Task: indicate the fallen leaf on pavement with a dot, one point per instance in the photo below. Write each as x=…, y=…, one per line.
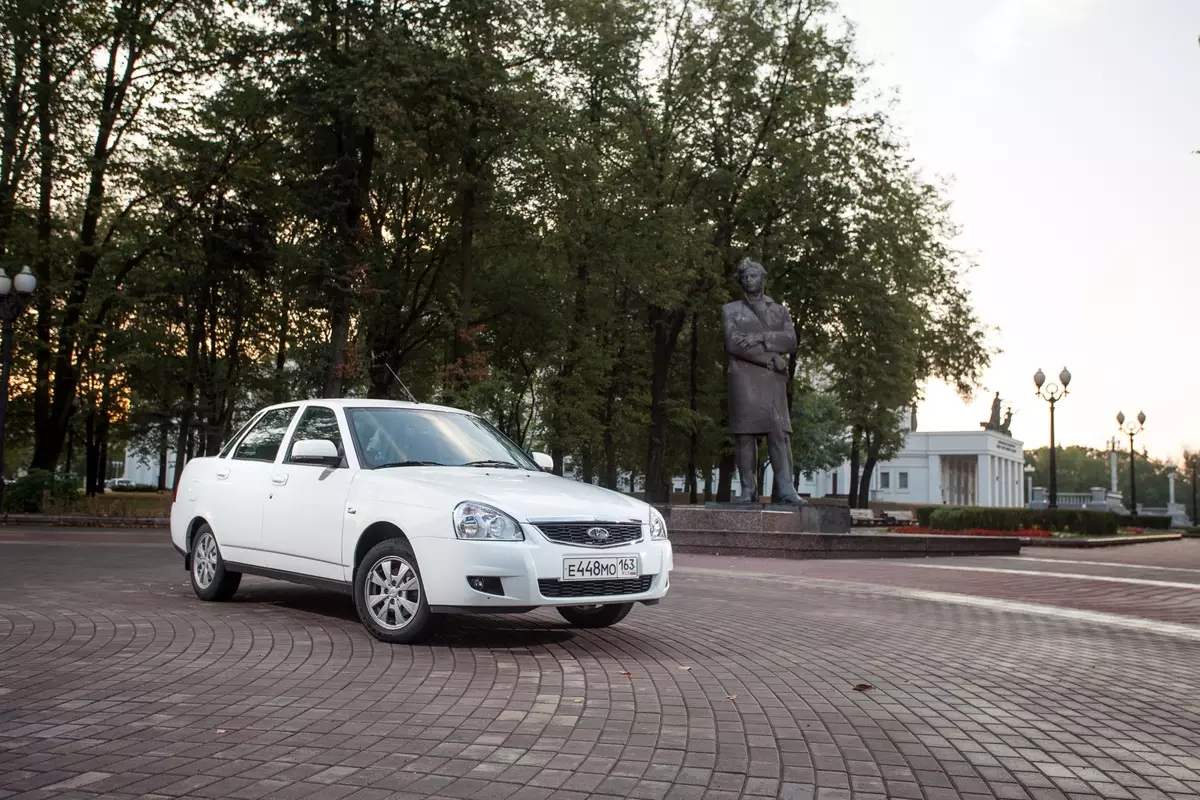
x=731, y=697
x=863, y=687
x=626, y=672
x=689, y=669
x=220, y=730
x=578, y=699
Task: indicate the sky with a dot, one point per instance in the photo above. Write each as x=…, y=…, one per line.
x=1066, y=131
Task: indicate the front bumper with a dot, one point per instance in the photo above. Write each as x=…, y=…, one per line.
x=531, y=573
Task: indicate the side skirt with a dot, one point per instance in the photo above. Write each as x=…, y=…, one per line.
x=291, y=577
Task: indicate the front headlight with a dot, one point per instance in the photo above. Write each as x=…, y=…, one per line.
x=658, y=526
x=480, y=522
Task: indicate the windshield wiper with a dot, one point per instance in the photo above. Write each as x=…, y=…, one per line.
x=504, y=464
x=409, y=464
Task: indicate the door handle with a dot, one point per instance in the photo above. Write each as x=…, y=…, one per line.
x=223, y=473
x=279, y=480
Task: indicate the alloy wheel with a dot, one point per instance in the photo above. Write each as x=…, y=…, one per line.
x=393, y=593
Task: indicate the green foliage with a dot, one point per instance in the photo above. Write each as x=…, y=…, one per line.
x=134, y=487
x=1151, y=522
x=530, y=209
x=28, y=494
x=1091, y=523
x=820, y=440
x=1081, y=468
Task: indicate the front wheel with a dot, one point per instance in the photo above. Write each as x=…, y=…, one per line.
x=210, y=579
x=390, y=596
x=595, y=616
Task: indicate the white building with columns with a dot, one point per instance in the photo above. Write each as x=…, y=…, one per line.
x=957, y=468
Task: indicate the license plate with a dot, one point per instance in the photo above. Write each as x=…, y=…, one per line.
x=591, y=569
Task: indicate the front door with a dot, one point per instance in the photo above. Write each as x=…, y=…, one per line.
x=306, y=505
x=242, y=483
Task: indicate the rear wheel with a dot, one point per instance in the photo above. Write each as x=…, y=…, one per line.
x=210, y=579
x=595, y=616
x=390, y=596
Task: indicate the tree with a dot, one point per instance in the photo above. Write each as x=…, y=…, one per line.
x=820, y=440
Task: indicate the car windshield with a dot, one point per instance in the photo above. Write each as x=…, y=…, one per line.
x=387, y=437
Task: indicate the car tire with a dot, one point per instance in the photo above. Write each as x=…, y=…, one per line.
x=595, y=616
x=389, y=595
x=210, y=579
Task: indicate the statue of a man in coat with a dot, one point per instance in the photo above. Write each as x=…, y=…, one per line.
x=759, y=337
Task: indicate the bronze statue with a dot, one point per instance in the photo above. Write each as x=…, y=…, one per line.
x=759, y=336
x=993, y=423
x=1005, y=426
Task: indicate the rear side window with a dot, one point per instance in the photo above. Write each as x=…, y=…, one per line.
x=228, y=448
x=263, y=441
x=318, y=422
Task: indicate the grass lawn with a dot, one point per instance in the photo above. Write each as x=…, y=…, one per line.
x=116, y=504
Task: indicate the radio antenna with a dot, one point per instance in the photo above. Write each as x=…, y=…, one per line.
x=402, y=386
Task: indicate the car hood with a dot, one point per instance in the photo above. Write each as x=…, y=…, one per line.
x=525, y=495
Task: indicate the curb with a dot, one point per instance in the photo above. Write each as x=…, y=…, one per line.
x=70, y=521
x=1104, y=541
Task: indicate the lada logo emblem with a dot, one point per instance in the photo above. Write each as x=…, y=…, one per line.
x=598, y=534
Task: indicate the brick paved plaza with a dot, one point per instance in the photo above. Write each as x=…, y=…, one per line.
x=1057, y=675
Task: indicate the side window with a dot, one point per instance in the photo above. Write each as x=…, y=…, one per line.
x=263, y=441
x=228, y=446
x=318, y=422
x=903, y=480
x=885, y=480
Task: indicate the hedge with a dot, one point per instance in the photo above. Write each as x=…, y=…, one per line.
x=26, y=494
x=1092, y=523
x=925, y=515
x=1154, y=523
x=134, y=487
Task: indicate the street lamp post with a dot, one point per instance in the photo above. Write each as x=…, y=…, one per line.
x=1131, y=429
x=14, y=295
x=1052, y=393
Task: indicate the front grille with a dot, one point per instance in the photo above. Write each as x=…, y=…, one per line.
x=557, y=588
x=576, y=533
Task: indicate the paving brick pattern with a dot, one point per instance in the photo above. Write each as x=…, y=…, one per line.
x=115, y=681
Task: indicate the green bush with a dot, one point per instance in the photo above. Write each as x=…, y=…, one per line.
x=135, y=487
x=925, y=515
x=26, y=494
x=1154, y=523
x=1091, y=523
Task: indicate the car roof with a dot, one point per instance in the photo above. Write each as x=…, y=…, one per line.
x=362, y=402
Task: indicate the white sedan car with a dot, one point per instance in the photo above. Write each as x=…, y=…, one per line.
x=416, y=510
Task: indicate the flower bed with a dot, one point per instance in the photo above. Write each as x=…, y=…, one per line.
x=917, y=529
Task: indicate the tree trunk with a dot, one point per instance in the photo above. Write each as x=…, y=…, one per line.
x=708, y=483
x=92, y=453
x=339, y=342
x=852, y=486
x=725, y=477
x=666, y=328
x=693, y=405
x=559, y=456
x=871, y=445
x=587, y=466
x=164, y=447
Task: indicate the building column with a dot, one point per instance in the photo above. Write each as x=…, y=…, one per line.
x=933, y=492
x=983, y=480
x=1008, y=484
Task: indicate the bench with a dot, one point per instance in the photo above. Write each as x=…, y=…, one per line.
x=864, y=516
x=900, y=517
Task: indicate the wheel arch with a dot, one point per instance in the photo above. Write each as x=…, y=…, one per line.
x=193, y=526
x=372, y=535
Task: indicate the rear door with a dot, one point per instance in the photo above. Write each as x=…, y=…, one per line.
x=241, y=485
x=306, y=506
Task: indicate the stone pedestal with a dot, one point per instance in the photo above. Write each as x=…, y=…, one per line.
x=758, y=518
x=812, y=531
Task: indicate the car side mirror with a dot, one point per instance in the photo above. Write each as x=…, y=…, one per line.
x=545, y=463
x=316, y=451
